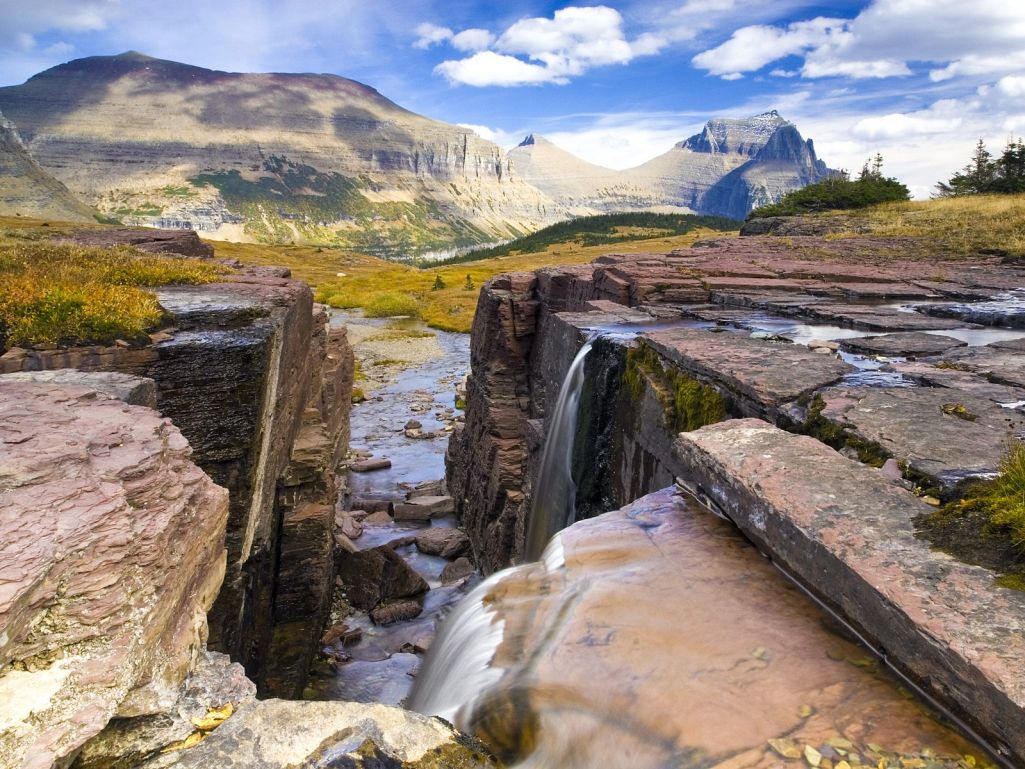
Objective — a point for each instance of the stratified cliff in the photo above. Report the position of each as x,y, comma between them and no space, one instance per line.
260,384
26,189
729,168
267,156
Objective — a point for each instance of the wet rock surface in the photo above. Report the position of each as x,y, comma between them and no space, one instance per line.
937,435
945,623
113,545
616,651
914,344
806,288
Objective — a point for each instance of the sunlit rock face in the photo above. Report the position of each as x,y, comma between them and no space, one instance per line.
112,550
732,166
657,636
267,156
26,189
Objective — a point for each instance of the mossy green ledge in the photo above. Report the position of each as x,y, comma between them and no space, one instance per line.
847,533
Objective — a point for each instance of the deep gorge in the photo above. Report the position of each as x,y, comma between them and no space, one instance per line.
733,377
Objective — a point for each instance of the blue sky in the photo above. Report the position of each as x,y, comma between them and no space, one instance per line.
615,82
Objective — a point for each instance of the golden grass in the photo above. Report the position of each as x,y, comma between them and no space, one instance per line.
959,226
61,293
366,279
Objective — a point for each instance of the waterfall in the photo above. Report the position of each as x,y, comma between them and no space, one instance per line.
554,495
458,669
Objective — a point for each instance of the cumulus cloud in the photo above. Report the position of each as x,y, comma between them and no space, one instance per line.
431,34
540,50
472,40
490,68
950,37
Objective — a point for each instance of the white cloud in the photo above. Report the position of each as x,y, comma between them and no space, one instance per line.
472,40
490,68
897,125
952,37
545,50
502,138
431,34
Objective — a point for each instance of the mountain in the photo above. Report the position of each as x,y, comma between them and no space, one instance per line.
272,157
323,159
28,190
729,168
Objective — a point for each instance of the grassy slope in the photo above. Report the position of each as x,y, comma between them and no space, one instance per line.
947,227
62,293
366,278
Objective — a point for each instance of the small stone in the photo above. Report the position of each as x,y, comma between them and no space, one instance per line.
443,542
352,528
822,350
412,424
823,344
378,518
929,500
370,465
396,611
459,569
891,470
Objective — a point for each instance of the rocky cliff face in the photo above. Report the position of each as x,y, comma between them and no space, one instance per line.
26,189
113,550
729,168
267,156
260,386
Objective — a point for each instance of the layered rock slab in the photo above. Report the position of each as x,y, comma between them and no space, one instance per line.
113,550
848,533
762,375
909,343
938,434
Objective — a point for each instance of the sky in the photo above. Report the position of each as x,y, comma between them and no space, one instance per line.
616,82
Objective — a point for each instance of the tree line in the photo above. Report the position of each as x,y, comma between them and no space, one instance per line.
987,174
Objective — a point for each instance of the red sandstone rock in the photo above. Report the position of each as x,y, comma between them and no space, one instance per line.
112,549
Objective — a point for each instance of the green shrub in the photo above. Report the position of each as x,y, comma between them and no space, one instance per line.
390,304
836,193
1002,500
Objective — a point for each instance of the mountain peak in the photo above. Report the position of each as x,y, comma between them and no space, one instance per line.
744,136
533,139
133,56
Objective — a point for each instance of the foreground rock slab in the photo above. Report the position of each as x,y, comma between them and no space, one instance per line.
279,734
848,532
655,636
764,375
112,545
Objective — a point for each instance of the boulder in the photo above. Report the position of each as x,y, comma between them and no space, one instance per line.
442,541
459,569
375,575
396,611
113,545
370,465
424,508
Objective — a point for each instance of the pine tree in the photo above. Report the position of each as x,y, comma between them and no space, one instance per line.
468,285
439,284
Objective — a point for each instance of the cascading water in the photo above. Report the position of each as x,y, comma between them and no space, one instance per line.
554,497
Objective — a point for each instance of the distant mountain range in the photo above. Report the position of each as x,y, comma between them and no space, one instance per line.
319,158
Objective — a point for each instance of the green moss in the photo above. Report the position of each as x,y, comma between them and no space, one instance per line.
835,436
1014,581
687,404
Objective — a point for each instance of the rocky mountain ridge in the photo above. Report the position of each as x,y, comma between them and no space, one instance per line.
730,167
27,189
320,158
272,157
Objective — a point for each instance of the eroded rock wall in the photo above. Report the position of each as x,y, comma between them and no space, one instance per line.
253,377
